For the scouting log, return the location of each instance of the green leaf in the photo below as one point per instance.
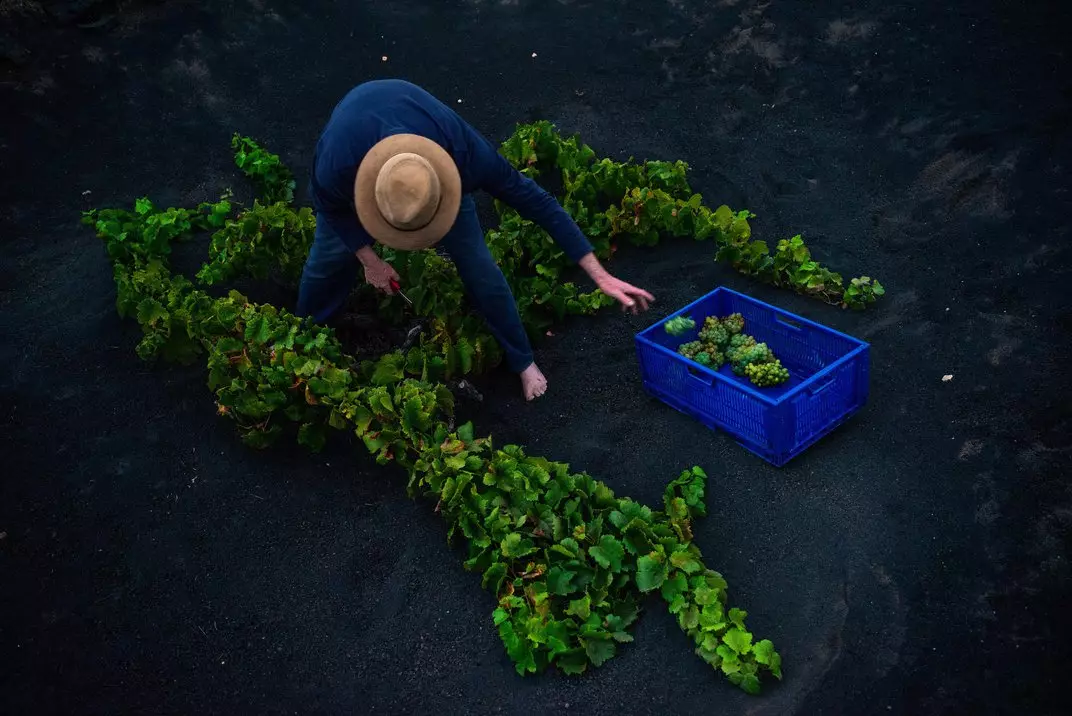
(563, 549)
(750, 684)
(686, 562)
(727, 654)
(764, 650)
(388, 372)
(572, 662)
(414, 416)
(623, 614)
(257, 330)
(677, 604)
(704, 595)
(517, 648)
(650, 573)
(608, 553)
(599, 651)
(150, 311)
(559, 580)
(580, 608)
(465, 353)
(514, 546)
(737, 617)
(776, 665)
(674, 587)
(689, 618)
(493, 577)
(557, 636)
(711, 617)
(637, 537)
(738, 640)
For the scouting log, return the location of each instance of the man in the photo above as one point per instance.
(397, 166)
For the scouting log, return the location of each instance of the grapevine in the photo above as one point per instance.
(612, 202)
(567, 560)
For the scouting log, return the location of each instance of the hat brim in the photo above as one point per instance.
(450, 184)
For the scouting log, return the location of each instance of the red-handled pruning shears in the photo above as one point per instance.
(397, 288)
(415, 331)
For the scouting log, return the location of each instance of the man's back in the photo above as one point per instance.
(368, 113)
(375, 110)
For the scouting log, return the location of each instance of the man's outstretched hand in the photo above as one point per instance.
(626, 294)
(631, 297)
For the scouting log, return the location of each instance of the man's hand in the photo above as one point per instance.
(626, 294)
(378, 272)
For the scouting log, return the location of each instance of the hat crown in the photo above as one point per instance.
(407, 191)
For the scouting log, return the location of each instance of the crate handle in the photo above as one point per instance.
(703, 378)
(823, 386)
(788, 324)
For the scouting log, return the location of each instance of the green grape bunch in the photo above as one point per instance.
(737, 343)
(733, 323)
(766, 375)
(715, 333)
(690, 349)
(758, 353)
(679, 326)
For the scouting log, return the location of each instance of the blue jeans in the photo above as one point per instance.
(332, 268)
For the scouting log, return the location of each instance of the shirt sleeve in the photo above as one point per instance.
(346, 226)
(497, 177)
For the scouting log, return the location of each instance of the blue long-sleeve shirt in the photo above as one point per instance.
(381, 108)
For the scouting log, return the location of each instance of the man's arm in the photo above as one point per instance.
(497, 177)
(348, 228)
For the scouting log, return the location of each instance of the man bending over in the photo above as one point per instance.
(397, 166)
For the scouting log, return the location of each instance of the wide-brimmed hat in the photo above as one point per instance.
(407, 192)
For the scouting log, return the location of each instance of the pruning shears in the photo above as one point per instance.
(397, 288)
(418, 327)
(463, 386)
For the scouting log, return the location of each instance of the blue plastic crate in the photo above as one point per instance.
(829, 377)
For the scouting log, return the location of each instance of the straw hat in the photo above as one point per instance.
(407, 192)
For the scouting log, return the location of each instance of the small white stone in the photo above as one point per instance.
(459, 101)
(383, 59)
(534, 54)
(947, 378)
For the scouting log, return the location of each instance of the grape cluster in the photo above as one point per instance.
(715, 332)
(679, 325)
(733, 323)
(766, 374)
(706, 354)
(724, 341)
(740, 342)
(690, 349)
(745, 356)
